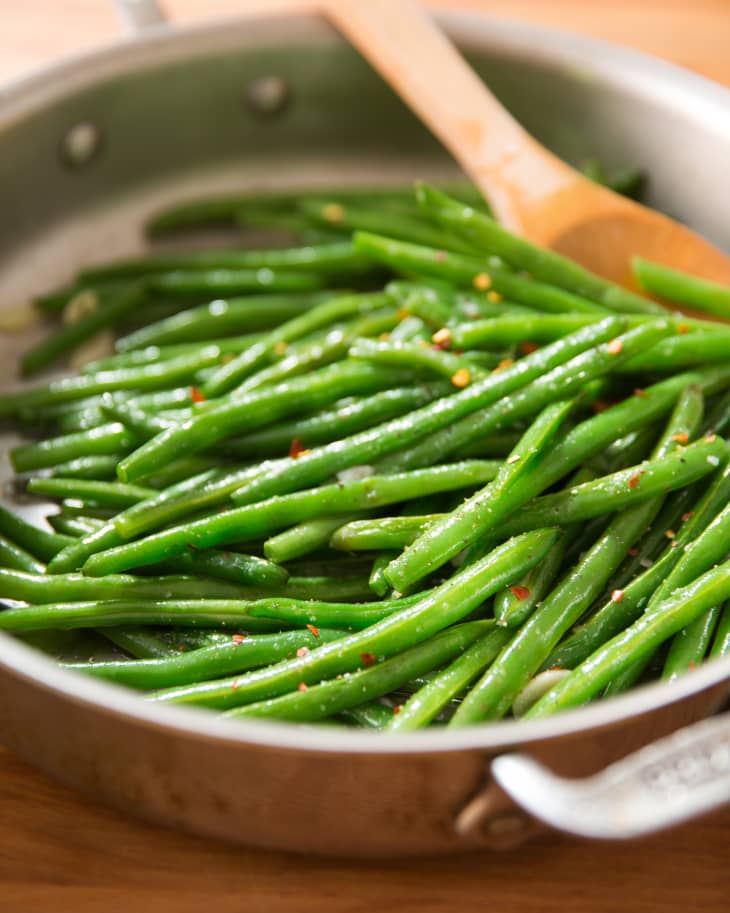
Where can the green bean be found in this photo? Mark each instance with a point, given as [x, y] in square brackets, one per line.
[626, 606]
[642, 638]
[67, 339]
[377, 582]
[325, 258]
[546, 265]
[146, 377]
[443, 606]
[683, 288]
[16, 558]
[101, 467]
[236, 654]
[382, 533]
[39, 543]
[351, 218]
[429, 700]
[251, 522]
[682, 351]
[514, 605]
[73, 526]
[255, 410]
[98, 494]
[370, 715]
[330, 697]
[45, 588]
[190, 283]
[353, 616]
[233, 566]
[222, 318]
[138, 642]
[689, 646]
[424, 423]
[304, 538]
[621, 489]
[508, 329]
[721, 643]
[106, 439]
[460, 369]
[66, 616]
[464, 270]
[480, 513]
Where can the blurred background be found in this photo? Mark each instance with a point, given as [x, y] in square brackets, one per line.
[695, 34]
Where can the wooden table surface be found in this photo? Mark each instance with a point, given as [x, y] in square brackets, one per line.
[62, 853]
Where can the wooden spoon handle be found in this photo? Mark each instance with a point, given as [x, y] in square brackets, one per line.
[425, 69]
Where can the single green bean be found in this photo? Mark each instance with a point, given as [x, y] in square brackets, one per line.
[304, 538]
[236, 654]
[98, 494]
[40, 543]
[683, 288]
[721, 643]
[16, 558]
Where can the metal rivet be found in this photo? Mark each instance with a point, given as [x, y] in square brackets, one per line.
[81, 144]
[268, 95]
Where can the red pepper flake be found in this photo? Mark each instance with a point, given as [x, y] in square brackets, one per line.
[527, 348]
[634, 552]
[192, 547]
[692, 664]
[402, 313]
[639, 392]
[482, 281]
[494, 297]
[296, 450]
[681, 438]
[196, 395]
[302, 687]
[670, 534]
[238, 638]
[617, 595]
[281, 347]
[685, 517]
[226, 554]
[440, 256]
[397, 709]
[520, 592]
[634, 480]
[461, 378]
[615, 347]
[302, 651]
[682, 328]
[442, 338]
[599, 405]
[368, 659]
[314, 630]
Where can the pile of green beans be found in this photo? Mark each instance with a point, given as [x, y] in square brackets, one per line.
[412, 471]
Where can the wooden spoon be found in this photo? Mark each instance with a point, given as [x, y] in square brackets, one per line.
[531, 191]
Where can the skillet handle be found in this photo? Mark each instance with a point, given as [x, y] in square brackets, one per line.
[138, 15]
[669, 781]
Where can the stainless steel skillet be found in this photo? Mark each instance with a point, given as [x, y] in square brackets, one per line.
[90, 147]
